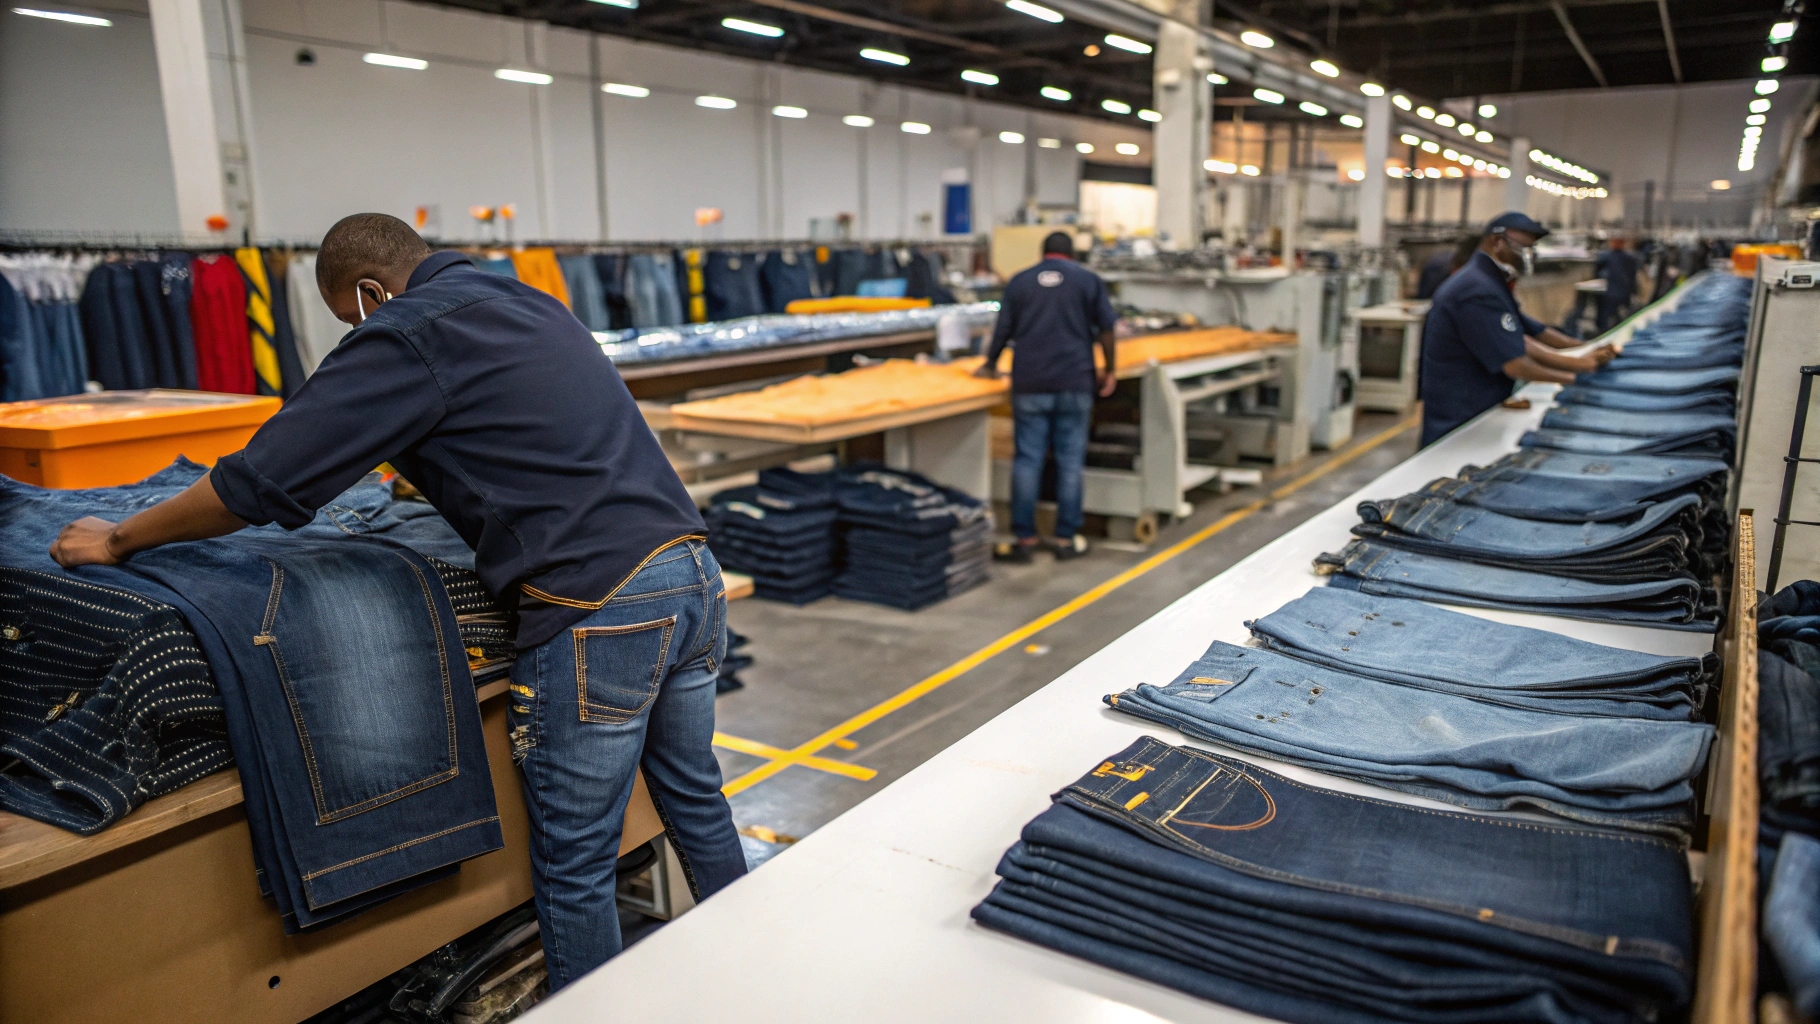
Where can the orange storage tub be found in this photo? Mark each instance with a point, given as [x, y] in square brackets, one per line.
[119, 437]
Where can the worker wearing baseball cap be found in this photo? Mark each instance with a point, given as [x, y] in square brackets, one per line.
[1478, 343]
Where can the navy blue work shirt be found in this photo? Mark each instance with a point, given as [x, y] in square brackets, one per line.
[1473, 329]
[1053, 313]
[1618, 269]
[497, 404]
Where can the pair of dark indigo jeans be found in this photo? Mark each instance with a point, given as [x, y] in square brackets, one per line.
[1219, 878]
[1571, 487]
[630, 686]
[1059, 422]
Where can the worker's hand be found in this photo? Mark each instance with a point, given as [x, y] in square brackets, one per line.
[986, 371]
[1603, 354]
[1109, 382]
[85, 542]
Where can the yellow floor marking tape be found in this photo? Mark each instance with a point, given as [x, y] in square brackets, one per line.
[765, 750]
[805, 753]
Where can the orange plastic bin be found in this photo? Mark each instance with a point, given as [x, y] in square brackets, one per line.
[119, 437]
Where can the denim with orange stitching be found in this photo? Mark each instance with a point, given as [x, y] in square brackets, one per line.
[629, 687]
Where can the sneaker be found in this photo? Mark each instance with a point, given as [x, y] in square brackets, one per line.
[1016, 553]
[1069, 547]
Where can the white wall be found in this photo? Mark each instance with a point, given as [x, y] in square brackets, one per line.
[82, 141]
[342, 136]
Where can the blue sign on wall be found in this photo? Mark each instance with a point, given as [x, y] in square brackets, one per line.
[957, 208]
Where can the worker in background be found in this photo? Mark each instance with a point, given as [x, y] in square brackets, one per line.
[1053, 314]
[496, 403]
[1444, 264]
[1617, 267]
[1478, 343]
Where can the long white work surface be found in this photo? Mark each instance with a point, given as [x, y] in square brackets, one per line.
[866, 918]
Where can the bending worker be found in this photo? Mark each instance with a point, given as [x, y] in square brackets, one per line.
[1478, 343]
[1053, 313]
[498, 405]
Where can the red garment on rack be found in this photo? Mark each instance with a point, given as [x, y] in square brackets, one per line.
[224, 349]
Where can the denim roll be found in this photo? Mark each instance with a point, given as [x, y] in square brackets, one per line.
[1622, 773]
[1220, 879]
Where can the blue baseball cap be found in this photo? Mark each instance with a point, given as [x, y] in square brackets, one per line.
[1514, 221]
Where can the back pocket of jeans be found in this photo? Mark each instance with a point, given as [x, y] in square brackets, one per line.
[619, 668]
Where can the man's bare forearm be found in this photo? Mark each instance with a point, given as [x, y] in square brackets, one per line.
[1526, 368]
[195, 514]
[1548, 357]
[1555, 339]
[1109, 345]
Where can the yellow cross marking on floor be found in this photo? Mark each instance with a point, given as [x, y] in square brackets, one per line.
[769, 752]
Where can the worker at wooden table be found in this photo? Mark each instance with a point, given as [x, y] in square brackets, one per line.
[492, 399]
[1053, 313]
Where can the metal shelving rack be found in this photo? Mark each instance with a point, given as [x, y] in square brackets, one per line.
[1791, 463]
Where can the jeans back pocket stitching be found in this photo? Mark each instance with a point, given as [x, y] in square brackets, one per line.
[605, 713]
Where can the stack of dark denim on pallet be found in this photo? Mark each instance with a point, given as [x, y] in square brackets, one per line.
[1788, 770]
[1672, 391]
[1235, 884]
[329, 661]
[779, 531]
[1612, 512]
[907, 541]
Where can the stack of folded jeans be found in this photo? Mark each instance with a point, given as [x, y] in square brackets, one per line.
[1426, 737]
[1788, 772]
[907, 541]
[779, 531]
[337, 661]
[1225, 881]
[1575, 502]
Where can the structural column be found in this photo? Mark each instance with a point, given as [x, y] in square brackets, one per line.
[1185, 101]
[1516, 190]
[202, 77]
[1373, 188]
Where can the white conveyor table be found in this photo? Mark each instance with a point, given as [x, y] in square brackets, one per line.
[866, 918]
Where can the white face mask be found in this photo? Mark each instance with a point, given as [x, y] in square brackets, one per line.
[360, 300]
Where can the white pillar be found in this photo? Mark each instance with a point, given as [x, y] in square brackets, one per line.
[1237, 228]
[1179, 140]
[202, 77]
[1516, 190]
[1372, 189]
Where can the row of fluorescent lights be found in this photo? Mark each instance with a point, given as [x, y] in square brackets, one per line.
[1569, 191]
[1464, 159]
[1779, 34]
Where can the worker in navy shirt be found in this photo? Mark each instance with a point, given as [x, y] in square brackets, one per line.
[1478, 343]
[1617, 267]
[1053, 313]
[498, 405]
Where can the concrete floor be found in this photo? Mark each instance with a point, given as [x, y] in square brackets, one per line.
[818, 666]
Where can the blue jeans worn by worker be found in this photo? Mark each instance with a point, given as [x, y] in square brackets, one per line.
[630, 686]
[1058, 421]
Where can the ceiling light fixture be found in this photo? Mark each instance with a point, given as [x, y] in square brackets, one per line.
[756, 28]
[1759, 106]
[1409, 140]
[1767, 86]
[884, 56]
[1115, 106]
[1084, 148]
[1049, 143]
[1444, 120]
[1401, 101]
[1325, 67]
[1050, 92]
[637, 92]
[1126, 149]
[1430, 146]
[65, 16]
[1221, 166]
[527, 77]
[1425, 112]
[630, 5]
[1756, 119]
[1011, 138]
[979, 77]
[1149, 115]
[716, 102]
[1782, 32]
[857, 121]
[1356, 174]
[1772, 64]
[1254, 38]
[1352, 120]
[1371, 89]
[1268, 95]
[388, 60]
[1218, 79]
[795, 113]
[1487, 111]
[1127, 43]
[1249, 170]
[1037, 11]
[914, 128]
[1482, 136]
[1312, 108]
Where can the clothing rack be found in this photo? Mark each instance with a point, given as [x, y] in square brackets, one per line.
[1791, 462]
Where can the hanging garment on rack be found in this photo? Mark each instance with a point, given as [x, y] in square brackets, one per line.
[539, 269]
[174, 289]
[730, 287]
[41, 343]
[786, 277]
[497, 265]
[610, 268]
[851, 266]
[118, 353]
[218, 313]
[925, 278]
[284, 335]
[586, 298]
[268, 377]
[148, 288]
[825, 271]
[651, 294]
[692, 285]
[318, 332]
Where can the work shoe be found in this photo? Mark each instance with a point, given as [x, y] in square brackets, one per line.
[1069, 547]
[1015, 553]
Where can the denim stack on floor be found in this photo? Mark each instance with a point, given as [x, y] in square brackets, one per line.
[1788, 772]
[1303, 904]
[907, 541]
[1606, 538]
[780, 532]
[330, 657]
[1518, 718]
[1672, 391]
